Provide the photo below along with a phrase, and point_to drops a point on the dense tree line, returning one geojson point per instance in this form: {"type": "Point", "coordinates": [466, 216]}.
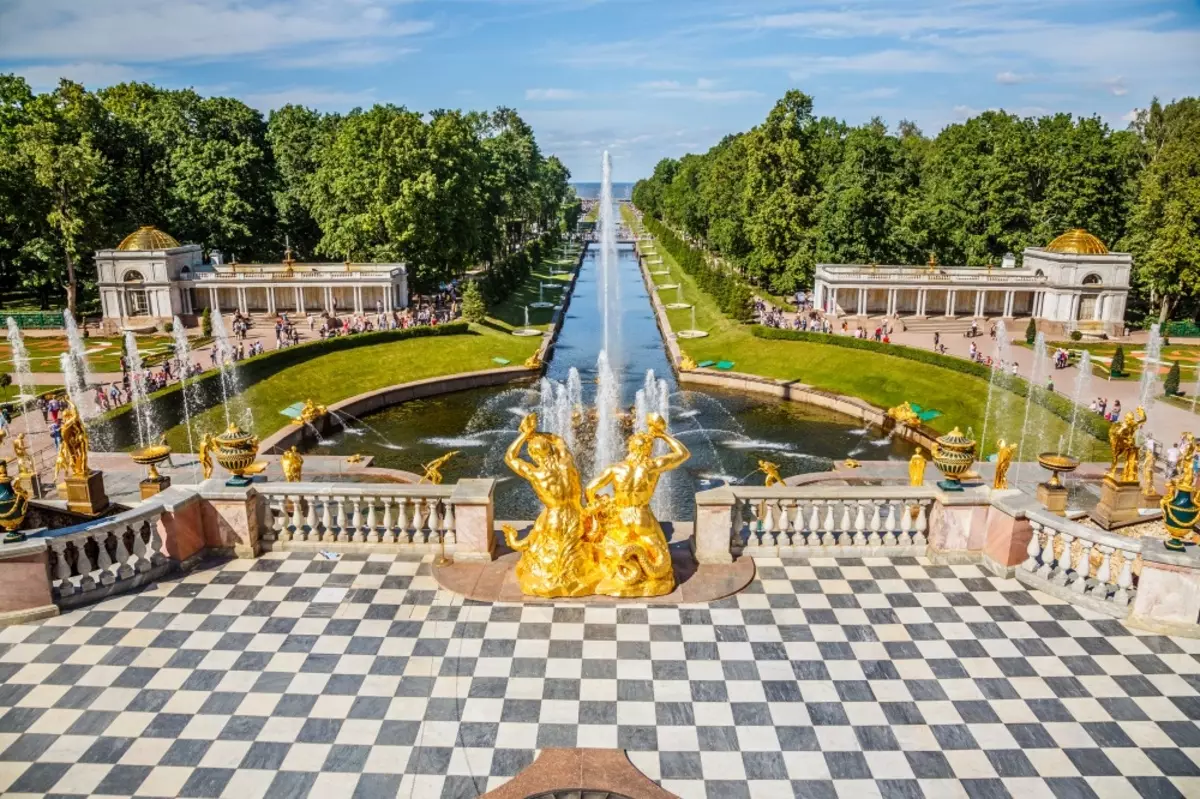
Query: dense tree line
{"type": "Point", "coordinates": [442, 191]}
{"type": "Point", "coordinates": [799, 190]}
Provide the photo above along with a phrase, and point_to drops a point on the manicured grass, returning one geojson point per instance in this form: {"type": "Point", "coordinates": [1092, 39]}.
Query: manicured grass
{"type": "Point", "coordinates": [1188, 356]}
{"type": "Point", "coordinates": [103, 353]}
{"type": "Point", "coordinates": [338, 375]}
{"type": "Point", "coordinates": [883, 380]}
{"type": "Point", "coordinates": [510, 313]}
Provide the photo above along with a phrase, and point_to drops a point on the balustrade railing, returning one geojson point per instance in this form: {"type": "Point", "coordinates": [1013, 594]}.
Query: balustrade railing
{"type": "Point", "coordinates": [843, 520]}
{"type": "Point", "coordinates": [97, 557]}
{"type": "Point", "coordinates": [1077, 561]}
{"type": "Point", "coordinates": [334, 513]}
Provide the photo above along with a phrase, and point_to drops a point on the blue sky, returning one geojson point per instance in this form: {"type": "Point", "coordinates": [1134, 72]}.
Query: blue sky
{"type": "Point", "coordinates": [645, 79]}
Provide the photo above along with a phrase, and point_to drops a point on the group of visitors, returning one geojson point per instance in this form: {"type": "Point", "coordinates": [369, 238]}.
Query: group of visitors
{"type": "Point", "coordinates": [1174, 454]}
{"type": "Point", "coordinates": [1062, 358]}
{"type": "Point", "coordinates": [1100, 406]}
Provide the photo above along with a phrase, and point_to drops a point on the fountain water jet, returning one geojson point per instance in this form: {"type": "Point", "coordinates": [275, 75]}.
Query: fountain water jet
{"type": "Point", "coordinates": [1148, 385]}
{"type": "Point", "coordinates": [143, 416]}
{"type": "Point", "coordinates": [230, 384]}
{"type": "Point", "coordinates": [998, 378]}
{"type": "Point", "coordinates": [21, 370]}
{"type": "Point", "coordinates": [608, 405]}
{"type": "Point", "coordinates": [187, 388]}
{"type": "Point", "coordinates": [1082, 390]}
{"type": "Point", "coordinates": [1036, 375]}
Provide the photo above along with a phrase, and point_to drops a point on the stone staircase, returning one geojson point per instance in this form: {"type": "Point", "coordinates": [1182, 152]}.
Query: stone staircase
{"type": "Point", "coordinates": [942, 324]}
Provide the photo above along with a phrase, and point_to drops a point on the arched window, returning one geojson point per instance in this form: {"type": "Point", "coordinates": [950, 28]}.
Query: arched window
{"type": "Point", "coordinates": [134, 276]}
{"type": "Point", "coordinates": [1039, 273]}
{"type": "Point", "coordinates": [136, 301]}
{"type": "Point", "coordinates": [1092, 280]}
{"type": "Point", "coordinates": [186, 270]}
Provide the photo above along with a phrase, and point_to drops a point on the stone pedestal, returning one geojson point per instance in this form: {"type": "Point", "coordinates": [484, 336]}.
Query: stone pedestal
{"type": "Point", "coordinates": [1168, 597]}
{"type": "Point", "coordinates": [1053, 498]}
{"type": "Point", "coordinates": [1119, 502]}
{"type": "Point", "coordinates": [150, 487]}
{"type": "Point", "coordinates": [25, 593]}
{"type": "Point", "coordinates": [86, 494]}
{"type": "Point", "coordinates": [231, 519]}
{"type": "Point", "coordinates": [1151, 501]}
{"type": "Point", "coordinates": [713, 529]}
{"type": "Point", "coordinates": [34, 484]}
{"type": "Point", "coordinates": [475, 533]}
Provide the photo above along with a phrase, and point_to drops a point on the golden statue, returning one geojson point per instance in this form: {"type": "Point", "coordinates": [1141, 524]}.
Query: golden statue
{"type": "Point", "coordinates": [1187, 462]}
{"type": "Point", "coordinates": [293, 465]}
{"type": "Point", "coordinates": [1122, 437]}
{"type": "Point", "coordinates": [355, 458]}
{"type": "Point", "coordinates": [771, 470]}
{"type": "Point", "coordinates": [205, 455]}
{"type": "Point", "coordinates": [904, 414]}
{"type": "Point", "coordinates": [1147, 469]}
{"type": "Point", "coordinates": [1004, 458]}
{"type": "Point", "coordinates": [555, 558]}
{"type": "Point", "coordinates": [61, 466]}
{"type": "Point", "coordinates": [433, 469]}
{"type": "Point", "coordinates": [686, 362]}
{"type": "Point", "coordinates": [24, 461]}
{"type": "Point", "coordinates": [533, 362]}
{"type": "Point", "coordinates": [74, 443]}
{"type": "Point", "coordinates": [631, 547]}
{"type": "Point", "coordinates": [916, 468]}
{"type": "Point", "coordinates": [852, 464]}
{"type": "Point", "coordinates": [311, 412]}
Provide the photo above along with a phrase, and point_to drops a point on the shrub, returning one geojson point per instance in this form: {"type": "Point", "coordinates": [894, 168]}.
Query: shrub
{"type": "Point", "coordinates": [732, 296]}
{"type": "Point", "coordinates": [206, 323]}
{"type": "Point", "coordinates": [168, 327]}
{"type": "Point", "coordinates": [1076, 335]}
{"type": "Point", "coordinates": [474, 309]}
{"type": "Point", "coordinates": [1031, 332]}
{"type": "Point", "coordinates": [1171, 384]}
{"type": "Point", "coordinates": [1118, 363]}
{"type": "Point", "coordinates": [1060, 406]}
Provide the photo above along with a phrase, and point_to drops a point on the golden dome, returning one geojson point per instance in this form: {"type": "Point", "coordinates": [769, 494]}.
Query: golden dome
{"type": "Point", "coordinates": [148, 237]}
{"type": "Point", "coordinates": [1078, 241]}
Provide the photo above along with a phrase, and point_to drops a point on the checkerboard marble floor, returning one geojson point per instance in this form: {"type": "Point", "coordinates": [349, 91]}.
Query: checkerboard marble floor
{"type": "Point", "coordinates": [293, 676]}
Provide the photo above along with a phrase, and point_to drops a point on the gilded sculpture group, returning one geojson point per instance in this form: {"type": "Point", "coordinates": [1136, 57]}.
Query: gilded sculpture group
{"type": "Point", "coordinates": [611, 546]}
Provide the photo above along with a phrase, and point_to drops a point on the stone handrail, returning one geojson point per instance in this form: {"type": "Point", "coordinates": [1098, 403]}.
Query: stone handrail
{"type": "Point", "coordinates": [411, 518]}
{"type": "Point", "coordinates": [795, 521]}
{"type": "Point", "coordinates": [96, 559]}
{"type": "Point", "coordinates": [1081, 563]}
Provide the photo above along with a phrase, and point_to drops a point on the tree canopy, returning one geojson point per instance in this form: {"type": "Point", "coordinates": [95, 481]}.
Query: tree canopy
{"type": "Point", "coordinates": [800, 189]}
{"type": "Point", "coordinates": [442, 191]}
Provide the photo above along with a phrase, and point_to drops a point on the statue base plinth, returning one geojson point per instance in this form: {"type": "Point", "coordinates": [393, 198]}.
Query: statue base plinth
{"type": "Point", "coordinates": [1151, 501]}
{"type": "Point", "coordinates": [239, 482]}
{"type": "Point", "coordinates": [1054, 498]}
{"type": "Point", "coordinates": [1120, 501]}
{"type": "Point", "coordinates": [150, 486]}
{"type": "Point", "coordinates": [950, 485]}
{"type": "Point", "coordinates": [86, 494]}
{"type": "Point", "coordinates": [36, 489]}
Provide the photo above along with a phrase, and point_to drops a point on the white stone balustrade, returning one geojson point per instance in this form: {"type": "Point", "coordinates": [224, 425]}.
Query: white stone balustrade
{"type": "Point", "coordinates": [106, 556]}
{"type": "Point", "coordinates": [808, 520]}
{"type": "Point", "coordinates": [1081, 564]}
{"type": "Point", "coordinates": [380, 517]}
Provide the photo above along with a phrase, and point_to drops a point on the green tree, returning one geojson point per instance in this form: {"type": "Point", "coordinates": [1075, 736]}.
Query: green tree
{"type": "Point", "coordinates": [297, 137]}
{"type": "Point", "coordinates": [206, 322]}
{"type": "Point", "coordinates": [1171, 383]}
{"type": "Point", "coordinates": [1117, 368]}
{"type": "Point", "coordinates": [1031, 332]}
{"type": "Point", "coordinates": [1164, 229]}
{"type": "Point", "coordinates": [474, 309]}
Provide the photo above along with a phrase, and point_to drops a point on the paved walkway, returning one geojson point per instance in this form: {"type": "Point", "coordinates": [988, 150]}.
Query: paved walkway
{"type": "Point", "coordinates": [297, 676]}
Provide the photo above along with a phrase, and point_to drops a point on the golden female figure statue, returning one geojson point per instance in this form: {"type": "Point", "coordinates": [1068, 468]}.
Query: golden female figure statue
{"type": "Point", "coordinates": [633, 553]}
{"type": "Point", "coordinates": [555, 560]}
{"type": "Point", "coordinates": [916, 468]}
{"type": "Point", "coordinates": [1004, 458]}
{"type": "Point", "coordinates": [1122, 437]}
{"type": "Point", "coordinates": [293, 465]}
{"type": "Point", "coordinates": [24, 462]}
{"type": "Point", "coordinates": [205, 455]}
{"type": "Point", "coordinates": [74, 443]}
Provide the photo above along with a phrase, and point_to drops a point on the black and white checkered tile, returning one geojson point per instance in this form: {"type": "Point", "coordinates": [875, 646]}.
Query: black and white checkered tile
{"type": "Point", "coordinates": [294, 676]}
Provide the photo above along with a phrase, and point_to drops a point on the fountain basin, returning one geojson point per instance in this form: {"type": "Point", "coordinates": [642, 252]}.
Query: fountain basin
{"type": "Point", "coordinates": [661, 272]}
{"type": "Point", "coordinates": [677, 306]}
{"type": "Point", "coordinates": [691, 334]}
{"type": "Point", "coordinates": [662, 286]}
{"type": "Point", "coordinates": [526, 332]}
{"type": "Point", "coordinates": [541, 304]}
{"type": "Point", "coordinates": [1057, 463]}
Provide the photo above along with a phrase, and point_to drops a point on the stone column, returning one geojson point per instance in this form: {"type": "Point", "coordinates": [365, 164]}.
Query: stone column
{"type": "Point", "coordinates": [299, 300]}
{"type": "Point", "coordinates": [951, 298]}
{"type": "Point", "coordinates": [833, 304]}
{"type": "Point", "coordinates": [922, 296]}
{"type": "Point", "coordinates": [358, 299]}
{"type": "Point", "coordinates": [213, 302]}
{"type": "Point", "coordinates": [980, 301]}
{"type": "Point", "coordinates": [862, 301]}
{"type": "Point", "coordinates": [891, 302]}
{"type": "Point", "coordinates": [1009, 296]}
{"type": "Point", "coordinates": [232, 518]}
{"type": "Point", "coordinates": [714, 520]}
{"type": "Point", "coordinates": [474, 522]}
{"type": "Point", "coordinates": [328, 298]}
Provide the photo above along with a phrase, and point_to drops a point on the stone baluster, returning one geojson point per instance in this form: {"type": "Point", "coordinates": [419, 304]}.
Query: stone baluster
{"type": "Point", "coordinates": [906, 518]}
{"type": "Point", "coordinates": [892, 525]}
{"type": "Point", "coordinates": [421, 521]}
{"type": "Point", "coordinates": [1125, 581]}
{"type": "Point", "coordinates": [1083, 566]}
{"type": "Point", "coordinates": [124, 568]}
{"type": "Point", "coordinates": [373, 532]}
{"type": "Point", "coordinates": [62, 569]}
{"type": "Point", "coordinates": [844, 527]}
{"type": "Point", "coordinates": [356, 520]}
{"type": "Point", "coordinates": [814, 524]}
{"type": "Point", "coordinates": [298, 517]}
{"type": "Point", "coordinates": [389, 533]}
{"type": "Point", "coordinates": [326, 521]}
{"type": "Point", "coordinates": [156, 546]}
{"type": "Point", "coordinates": [1034, 550]}
{"type": "Point", "coordinates": [451, 529]}
{"type": "Point", "coordinates": [104, 561]}
{"type": "Point", "coordinates": [860, 525]}
{"type": "Point", "coordinates": [1103, 573]}
{"type": "Point", "coordinates": [876, 524]}
{"type": "Point", "coordinates": [343, 535]}
{"type": "Point", "coordinates": [922, 523]}
{"type": "Point", "coordinates": [789, 521]}
{"type": "Point", "coordinates": [828, 526]}
{"type": "Point", "coordinates": [767, 523]}
{"type": "Point", "coordinates": [1048, 558]}
{"type": "Point", "coordinates": [310, 520]}
{"type": "Point", "coordinates": [403, 533]}
{"type": "Point", "coordinates": [278, 529]}
{"type": "Point", "coordinates": [1063, 573]}
{"type": "Point", "coordinates": [141, 546]}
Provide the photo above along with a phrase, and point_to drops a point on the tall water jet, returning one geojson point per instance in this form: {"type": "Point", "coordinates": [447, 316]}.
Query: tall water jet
{"type": "Point", "coordinates": [79, 375]}
{"type": "Point", "coordinates": [21, 370]}
{"type": "Point", "coordinates": [997, 401]}
{"type": "Point", "coordinates": [1036, 376]}
{"type": "Point", "coordinates": [608, 406]}
{"type": "Point", "coordinates": [608, 258]}
{"type": "Point", "coordinates": [147, 430]}
{"type": "Point", "coordinates": [1148, 385]}
{"type": "Point", "coordinates": [230, 386]}
{"type": "Point", "coordinates": [187, 388]}
{"type": "Point", "coordinates": [1079, 395]}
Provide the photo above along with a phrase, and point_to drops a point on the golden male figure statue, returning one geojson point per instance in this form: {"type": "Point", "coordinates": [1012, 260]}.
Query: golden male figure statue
{"type": "Point", "coordinates": [433, 469]}
{"type": "Point", "coordinates": [205, 455]}
{"type": "Point", "coordinates": [293, 465]}
{"type": "Point", "coordinates": [633, 553]}
{"type": "Point", "coordinates": [771, 470]}
{"type": "Point", "coordinates": [1004, 459]}
{"type": "Point", "coordinates": [21, 450]}
{"type": "Point", "coordinates": [1122, 437]}
{"type": "Point", "coordinates": [74, 445]}
{"type": "Point", "coordinates": [555, 560]}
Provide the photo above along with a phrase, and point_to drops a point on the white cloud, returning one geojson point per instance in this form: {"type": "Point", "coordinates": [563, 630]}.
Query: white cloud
{"type": "Point", "coordinates": [552, 94]}
{"type": "Point", "coordinates": [881, 61]}
{"type": "Point", "coordinates": [323, 99]}
{"type": "Point", "coordinates": [1117, 86]}
{"type": "Point", "coordinates": [1010, 78]}
{"type": "Point", "coordinates": [42, 77]}
{"type": "Point", "coordinates": [341, 57]}
{"type": "Point", "coordinates": [703, 90]}
{"type": "Point", "coordinates": [878, 93]}
{"type": "Point", "coordinates": [1131, 116]}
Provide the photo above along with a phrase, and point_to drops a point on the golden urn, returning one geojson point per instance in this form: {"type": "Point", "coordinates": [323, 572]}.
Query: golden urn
{"type": "Point", "coordinates": [953, 455]}
{"type": "Point", "coordinates": [1057, 463]}
{"type": "Point", "coordinates": [152, 456]}
{"type": "Point", "coordinates": [236, 451]}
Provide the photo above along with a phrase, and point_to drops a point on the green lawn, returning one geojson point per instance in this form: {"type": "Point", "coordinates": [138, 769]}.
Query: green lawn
{"type": "Point", "coordinates": [103, 353]}
{"type": "Point", "coordinates": [1188, 356]}
{"type": "Point", "coordinates": [510, 313]}
{"type": "Point", "coordinates": [882, 380]}
{"type": "Point", "coordinates": [338, 375]}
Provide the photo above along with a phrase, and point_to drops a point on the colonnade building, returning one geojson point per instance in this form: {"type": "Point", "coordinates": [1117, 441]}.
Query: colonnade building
{"type": "Point", "coordinates": [150, 278]}
{"type": "Point", "coordinates": [1073, 283]}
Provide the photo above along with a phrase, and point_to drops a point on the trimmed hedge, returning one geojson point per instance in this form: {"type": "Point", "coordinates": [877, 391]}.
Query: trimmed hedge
{"type": "Point", "coordinates": [732, 296]}
{"type": "Point", "coordinates": [166, 405]}
{"type": "Point", "coordinates": [506, 274]}
{"type": "Point", "coordinates": [1056, 404]}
